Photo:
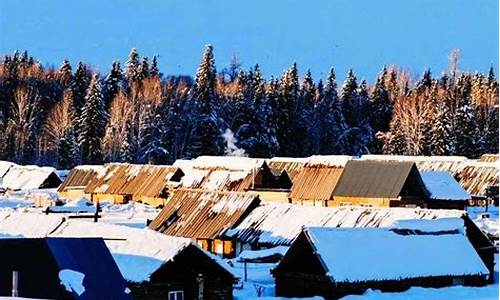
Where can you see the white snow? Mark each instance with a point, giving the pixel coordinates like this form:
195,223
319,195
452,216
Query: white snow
26,177
254,254
443,186
353,254
72,281
437,225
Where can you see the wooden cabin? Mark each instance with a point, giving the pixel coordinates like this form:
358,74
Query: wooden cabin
335,262
380,183
203,216
60,268
314,185
277,224
190,272
269,184
445,191
121,183
73,186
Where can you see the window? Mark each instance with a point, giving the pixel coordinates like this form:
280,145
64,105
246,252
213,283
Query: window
176,295
344,203
366,205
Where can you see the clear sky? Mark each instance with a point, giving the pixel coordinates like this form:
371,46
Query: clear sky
364,35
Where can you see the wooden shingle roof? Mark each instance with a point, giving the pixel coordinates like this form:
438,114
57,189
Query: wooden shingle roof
80,176
315,183
138,180
203,214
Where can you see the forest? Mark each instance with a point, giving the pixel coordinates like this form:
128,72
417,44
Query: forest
134,113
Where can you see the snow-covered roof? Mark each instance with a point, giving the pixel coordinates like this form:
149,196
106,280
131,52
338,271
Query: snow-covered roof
431,225
281,223
5,166
374,254
228,162
443,186
27,177
137,252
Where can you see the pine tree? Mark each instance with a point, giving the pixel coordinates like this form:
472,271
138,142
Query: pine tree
466,129
441,140
80,84
64,74
132,74
396,143
68,153
380,105
151,147
153,69
349,99
112,83
205,95
92,124
143,69
425,81
332,124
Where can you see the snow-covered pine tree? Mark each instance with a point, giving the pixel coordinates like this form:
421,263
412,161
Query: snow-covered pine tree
349,99
152,149
92,123
112,83
395,143
64,74
380,105
132,73
440,130
143,69
68,152
303,124
153,68
80,85
425,81
465,121
332,124
288,99
204,92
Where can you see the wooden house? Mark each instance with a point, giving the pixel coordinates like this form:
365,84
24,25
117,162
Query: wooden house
277,224
334,262
235,174
121,183
380,183
74,184
204,216
157,266
60,268
445,191
19,178
314,185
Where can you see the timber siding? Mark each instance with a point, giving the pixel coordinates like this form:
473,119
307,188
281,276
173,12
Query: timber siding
314,185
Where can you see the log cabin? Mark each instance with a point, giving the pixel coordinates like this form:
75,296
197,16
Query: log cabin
381,184
121,183
60,268
335,262
204,216
74,184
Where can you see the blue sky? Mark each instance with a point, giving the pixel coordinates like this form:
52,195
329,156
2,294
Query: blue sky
364,35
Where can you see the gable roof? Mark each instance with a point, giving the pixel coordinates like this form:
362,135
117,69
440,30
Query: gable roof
203,214
87,258
281,223
80,176
346,258
30,177
376,179
442,186
315,182
130,179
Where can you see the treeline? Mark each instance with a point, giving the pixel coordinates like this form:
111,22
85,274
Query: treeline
73,115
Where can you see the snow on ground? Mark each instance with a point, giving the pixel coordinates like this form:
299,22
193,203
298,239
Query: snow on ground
248,254
486,221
